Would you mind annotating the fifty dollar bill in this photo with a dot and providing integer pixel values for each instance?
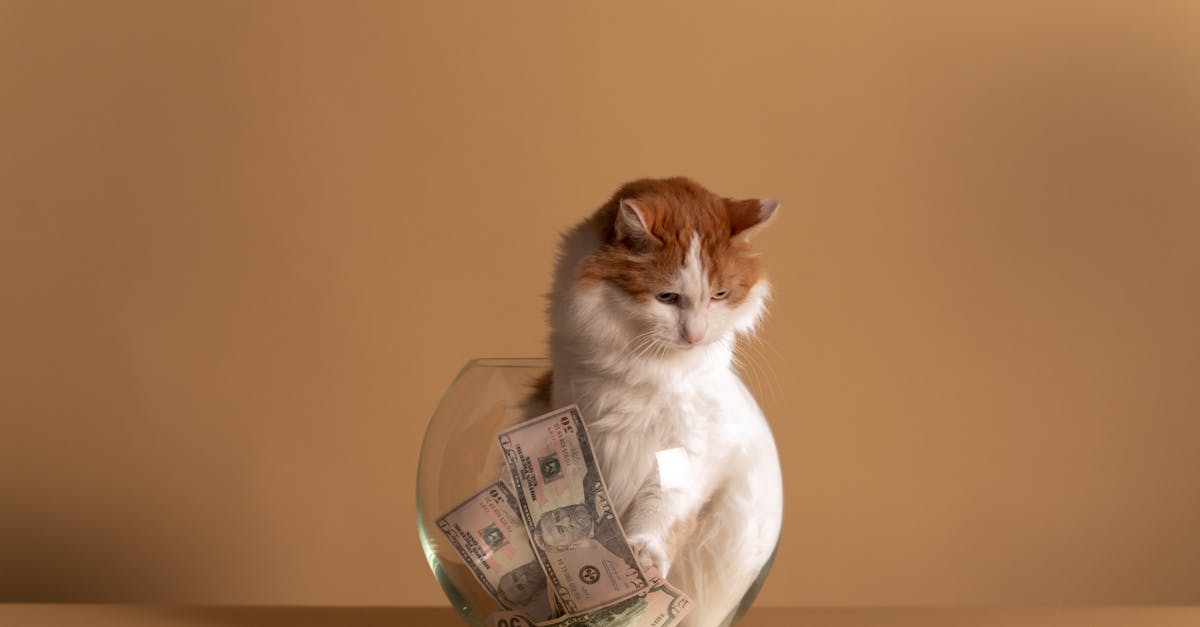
(565, 505)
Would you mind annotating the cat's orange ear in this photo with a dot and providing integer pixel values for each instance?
(748, 217)
(633, 225)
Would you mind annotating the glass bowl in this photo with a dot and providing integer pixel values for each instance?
(460, 456)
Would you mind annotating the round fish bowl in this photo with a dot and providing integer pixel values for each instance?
(470, 524)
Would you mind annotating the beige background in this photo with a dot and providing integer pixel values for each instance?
(245, 246)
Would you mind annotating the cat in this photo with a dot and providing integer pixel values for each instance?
(649, 295)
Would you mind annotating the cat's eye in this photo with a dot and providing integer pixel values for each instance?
(667, 297)
(720, 295)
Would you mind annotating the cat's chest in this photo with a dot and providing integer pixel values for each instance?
(680, 437)
(692, 414)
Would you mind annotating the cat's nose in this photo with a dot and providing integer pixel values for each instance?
(694, 325)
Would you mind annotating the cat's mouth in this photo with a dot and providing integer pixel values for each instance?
(664, 346)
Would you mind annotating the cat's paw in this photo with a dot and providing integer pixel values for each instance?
(650, 552)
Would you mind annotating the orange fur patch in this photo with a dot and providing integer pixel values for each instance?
(675, 209)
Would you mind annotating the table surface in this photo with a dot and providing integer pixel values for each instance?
(70, 615)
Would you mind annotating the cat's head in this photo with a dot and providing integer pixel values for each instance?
(677, 262)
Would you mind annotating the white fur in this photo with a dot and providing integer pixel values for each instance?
(643, 390)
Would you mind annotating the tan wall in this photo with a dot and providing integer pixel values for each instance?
(245, 246)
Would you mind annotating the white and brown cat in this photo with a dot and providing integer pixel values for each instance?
(650, 294)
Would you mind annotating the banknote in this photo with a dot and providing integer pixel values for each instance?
(489, 534)
(659, 605)
(576, 535)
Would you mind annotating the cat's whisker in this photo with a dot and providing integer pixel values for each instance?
(764, 380)
(766, 359)
(642, 347)
(778, 355)
(739, 360)
(656, 350)
(653, 352)
(638, 338)
(752, 371)
(643, 341)
(764, 365)
(759, 380)
(646, 347)
(770, 368)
